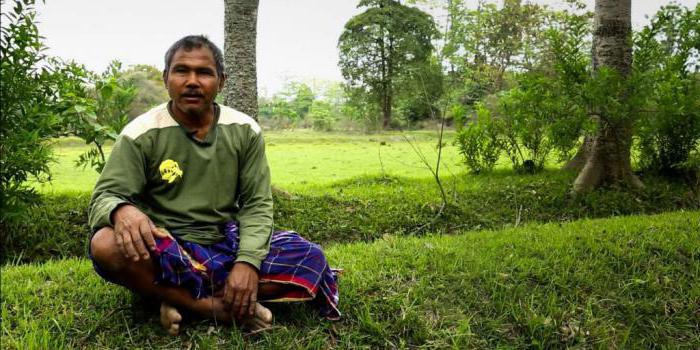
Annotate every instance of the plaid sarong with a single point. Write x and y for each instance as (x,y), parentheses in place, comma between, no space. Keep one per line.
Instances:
(202,269)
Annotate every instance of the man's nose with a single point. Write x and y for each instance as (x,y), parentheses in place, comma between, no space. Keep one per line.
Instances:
(192,79)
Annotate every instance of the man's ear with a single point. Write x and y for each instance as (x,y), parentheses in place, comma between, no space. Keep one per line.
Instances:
(222,82)
(165,78)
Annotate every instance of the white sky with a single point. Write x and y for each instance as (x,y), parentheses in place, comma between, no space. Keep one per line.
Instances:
(296,38)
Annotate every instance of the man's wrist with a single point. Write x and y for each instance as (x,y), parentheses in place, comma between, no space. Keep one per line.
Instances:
(250,261)
(113,214)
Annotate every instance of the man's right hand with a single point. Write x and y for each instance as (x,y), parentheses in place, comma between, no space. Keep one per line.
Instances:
(134,232)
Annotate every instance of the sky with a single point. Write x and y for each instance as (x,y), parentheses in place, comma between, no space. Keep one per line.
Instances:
(297,39)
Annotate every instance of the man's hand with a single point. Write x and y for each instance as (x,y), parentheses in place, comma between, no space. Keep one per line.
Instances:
(241,290)
(134,232)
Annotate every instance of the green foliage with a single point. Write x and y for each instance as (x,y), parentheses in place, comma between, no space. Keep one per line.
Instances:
(523,117)
(666,63)
(545,109)
(293,107)
(33,87)
(484,44)
(150,91)
(98,114)
(626,282)
(381,46)
(479,141)
(320,114)
(302,99)
(418,92)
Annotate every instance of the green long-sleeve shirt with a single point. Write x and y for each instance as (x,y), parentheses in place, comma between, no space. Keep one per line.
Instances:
(191,186)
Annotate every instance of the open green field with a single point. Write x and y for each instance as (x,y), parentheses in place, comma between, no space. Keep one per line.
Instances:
(628,282)
(301,159)
(513,262)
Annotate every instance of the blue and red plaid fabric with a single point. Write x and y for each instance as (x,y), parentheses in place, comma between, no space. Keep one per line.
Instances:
(202,269)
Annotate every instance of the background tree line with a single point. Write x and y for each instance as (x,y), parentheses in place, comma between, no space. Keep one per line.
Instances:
(515,79)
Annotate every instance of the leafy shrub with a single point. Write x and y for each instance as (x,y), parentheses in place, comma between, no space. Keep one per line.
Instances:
(666,62)
(523,118)
(32,87)
(458,115)
(98,110)
(479,141)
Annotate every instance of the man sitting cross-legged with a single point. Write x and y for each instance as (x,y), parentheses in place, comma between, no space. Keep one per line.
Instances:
(183,209)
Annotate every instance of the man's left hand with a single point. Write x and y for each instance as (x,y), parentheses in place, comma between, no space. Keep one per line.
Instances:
(241,290)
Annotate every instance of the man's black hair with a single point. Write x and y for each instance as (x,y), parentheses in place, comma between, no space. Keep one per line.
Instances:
(195,42)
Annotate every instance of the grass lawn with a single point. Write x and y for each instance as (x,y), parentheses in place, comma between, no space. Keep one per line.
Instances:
(300,159)
(627,282)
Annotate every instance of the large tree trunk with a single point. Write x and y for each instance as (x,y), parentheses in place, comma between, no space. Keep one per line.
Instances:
(579,160)
(240,23)
(609,160)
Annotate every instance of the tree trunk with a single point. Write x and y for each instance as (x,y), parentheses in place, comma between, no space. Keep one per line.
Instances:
(240,23)
(609,161)
(579,160)
(386,111)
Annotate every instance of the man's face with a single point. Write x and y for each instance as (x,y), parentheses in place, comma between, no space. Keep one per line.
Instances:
(192,81)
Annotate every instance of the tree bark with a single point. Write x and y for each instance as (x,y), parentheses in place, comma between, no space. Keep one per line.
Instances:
(240,23)
(579,160)
(386,111)
(609,161)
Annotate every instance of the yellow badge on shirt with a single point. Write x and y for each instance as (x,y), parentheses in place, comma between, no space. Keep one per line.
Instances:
(170,170)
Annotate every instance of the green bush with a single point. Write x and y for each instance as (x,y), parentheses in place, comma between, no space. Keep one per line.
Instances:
(479,141)
(31,87)
(43,98)
(666,64)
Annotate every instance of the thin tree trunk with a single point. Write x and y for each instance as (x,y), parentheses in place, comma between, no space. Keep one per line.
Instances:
(386,111)
(609,161)
(240,23)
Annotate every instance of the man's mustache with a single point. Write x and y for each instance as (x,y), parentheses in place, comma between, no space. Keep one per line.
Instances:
(192,93)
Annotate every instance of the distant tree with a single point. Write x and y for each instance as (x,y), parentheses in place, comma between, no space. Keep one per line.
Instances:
(321,116)
(302,97)
(483,45)
(379,45)
(609,160)
(147,80)
(240,31)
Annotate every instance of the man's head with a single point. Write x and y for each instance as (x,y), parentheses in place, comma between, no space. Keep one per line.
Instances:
(194,74)
(196,42)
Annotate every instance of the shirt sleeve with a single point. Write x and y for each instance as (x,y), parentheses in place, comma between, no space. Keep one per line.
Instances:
(122,179)
(255,197)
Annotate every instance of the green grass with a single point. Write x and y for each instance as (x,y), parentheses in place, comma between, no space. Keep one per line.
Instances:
(627,282)
(366,208)
(299,159)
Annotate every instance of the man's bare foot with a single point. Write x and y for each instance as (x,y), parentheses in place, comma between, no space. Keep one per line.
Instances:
(213,307)
(261,321)
(170,318)
(263,313)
